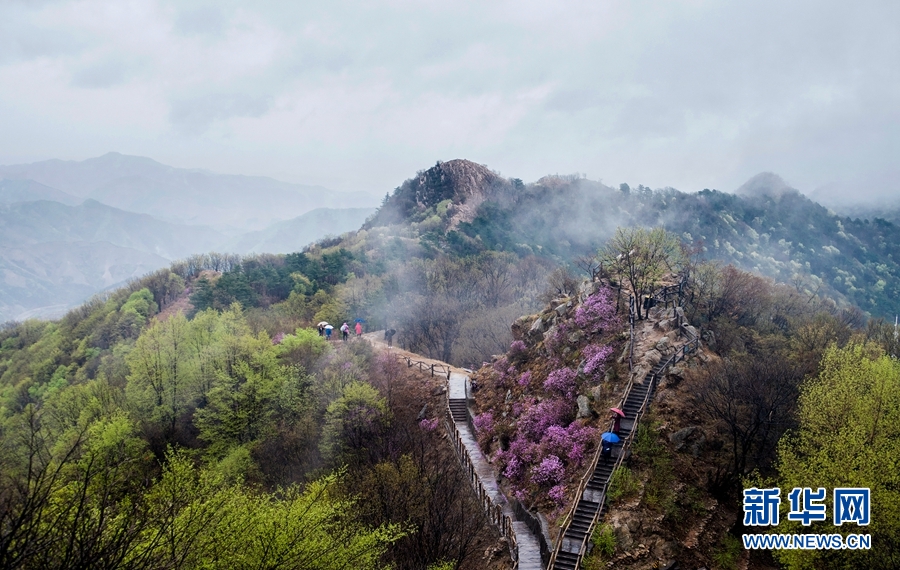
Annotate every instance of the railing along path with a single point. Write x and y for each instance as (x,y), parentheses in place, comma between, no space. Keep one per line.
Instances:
(493,510)
(568,552)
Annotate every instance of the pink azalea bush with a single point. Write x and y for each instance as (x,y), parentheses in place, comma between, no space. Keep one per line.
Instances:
(561,382)
(525,378)
(429,425)
(558,494)
(597,313)
(506,373)
(550,471)
(484,423)
(595,356)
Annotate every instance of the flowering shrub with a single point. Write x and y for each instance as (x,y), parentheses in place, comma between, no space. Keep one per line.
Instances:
(518,351)
(514,468)
(595,356)
(597,312)
(569,442)
(484,423)
(558,494)
(429,425)
(278,338)
(534,421)
(562,382)
(505,372)
(525,378)
(550,471)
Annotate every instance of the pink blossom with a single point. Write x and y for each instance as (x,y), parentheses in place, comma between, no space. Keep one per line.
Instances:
(429,425)
(558,494)
(550,471)
(597,312)
(525,378)
(551,412)
(561,381)
(595,357)
(484,423)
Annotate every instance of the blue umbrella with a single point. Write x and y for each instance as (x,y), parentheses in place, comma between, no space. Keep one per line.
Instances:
(610,437)
(360,320)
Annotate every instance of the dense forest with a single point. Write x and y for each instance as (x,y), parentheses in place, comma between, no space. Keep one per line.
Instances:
(195,418)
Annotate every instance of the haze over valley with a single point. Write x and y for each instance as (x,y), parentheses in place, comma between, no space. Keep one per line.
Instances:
(69,230)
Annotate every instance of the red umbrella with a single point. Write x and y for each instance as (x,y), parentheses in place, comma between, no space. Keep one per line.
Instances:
(618,411)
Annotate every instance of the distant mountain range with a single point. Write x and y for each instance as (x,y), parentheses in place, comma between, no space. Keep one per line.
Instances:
(292,235)
(71,229)
(226,202)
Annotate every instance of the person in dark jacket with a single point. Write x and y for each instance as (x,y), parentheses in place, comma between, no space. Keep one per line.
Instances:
(389,337)
(606,451)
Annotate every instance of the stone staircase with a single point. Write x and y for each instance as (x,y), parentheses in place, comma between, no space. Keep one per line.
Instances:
(591,506)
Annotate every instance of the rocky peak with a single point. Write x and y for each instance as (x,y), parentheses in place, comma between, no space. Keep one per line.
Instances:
(463,182)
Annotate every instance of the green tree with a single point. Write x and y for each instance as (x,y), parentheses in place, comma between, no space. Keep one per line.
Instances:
(642,257)
(354,422)
(206,522)
(849,436)
(162,372)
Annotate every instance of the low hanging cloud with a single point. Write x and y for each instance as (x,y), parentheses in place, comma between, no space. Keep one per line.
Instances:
(681,93)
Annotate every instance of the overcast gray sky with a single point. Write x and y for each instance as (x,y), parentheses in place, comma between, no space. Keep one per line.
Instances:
(360,95)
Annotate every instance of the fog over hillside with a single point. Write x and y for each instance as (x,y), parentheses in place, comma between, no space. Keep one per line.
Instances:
(71,229)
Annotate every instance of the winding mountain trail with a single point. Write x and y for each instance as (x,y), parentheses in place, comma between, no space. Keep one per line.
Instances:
(458,386)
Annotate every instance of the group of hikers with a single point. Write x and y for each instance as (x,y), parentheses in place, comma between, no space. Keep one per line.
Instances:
(325,330)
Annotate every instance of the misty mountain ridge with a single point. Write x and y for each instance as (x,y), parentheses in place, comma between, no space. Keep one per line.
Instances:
(227,202)
(12,191)
(765,184)
(767,227)
(53,256)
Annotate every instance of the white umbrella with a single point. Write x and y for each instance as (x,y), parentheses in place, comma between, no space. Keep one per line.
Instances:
(322,324)
(328,327)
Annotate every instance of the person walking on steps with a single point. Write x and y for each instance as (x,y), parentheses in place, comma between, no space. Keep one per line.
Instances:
(345,332)
(389,337)
(358,329)
(606,451)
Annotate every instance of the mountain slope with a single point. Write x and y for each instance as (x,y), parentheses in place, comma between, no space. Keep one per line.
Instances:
(53,256)
(46,279)
(12,191)
(293,235)
(771,228)
(143,185)
(44,221)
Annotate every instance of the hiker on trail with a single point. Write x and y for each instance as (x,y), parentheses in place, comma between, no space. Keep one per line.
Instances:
(358,329)
(617,415)
(606,451)
(328,329)
(345,331)
(321,329)
(389,337)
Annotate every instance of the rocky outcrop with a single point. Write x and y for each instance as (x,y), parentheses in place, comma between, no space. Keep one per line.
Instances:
(464,183)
